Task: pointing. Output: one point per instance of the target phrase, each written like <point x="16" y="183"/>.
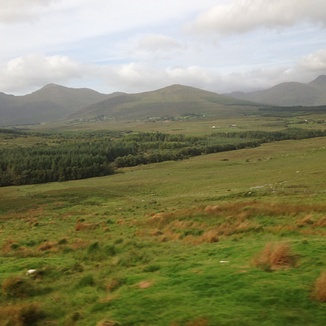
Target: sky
<point x="136" y="46"/>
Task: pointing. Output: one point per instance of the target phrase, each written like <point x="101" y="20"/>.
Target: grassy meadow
<point x="233" y="238"/>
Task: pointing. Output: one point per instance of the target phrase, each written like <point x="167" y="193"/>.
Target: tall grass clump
<point x="320" y="288"/>
<point x="275" y="256"/>
<point x="16" y="287"/>
<point x="21" y="314"/>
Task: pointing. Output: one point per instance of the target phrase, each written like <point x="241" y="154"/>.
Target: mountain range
<point x="59" y="103"/>
<point x="289" y="94"/>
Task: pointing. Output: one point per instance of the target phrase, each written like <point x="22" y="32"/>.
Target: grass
<point x="172" y="243"/>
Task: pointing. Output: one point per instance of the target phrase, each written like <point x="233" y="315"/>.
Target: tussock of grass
<point x="228" y="219"/>
<point x="319" y="292"/>
<point x="83" y="226"/>
<point x="22" y="314"/>
<point x="275" y="256"/>
<point x="16" y="287"/>
<point x="114" y="283"/>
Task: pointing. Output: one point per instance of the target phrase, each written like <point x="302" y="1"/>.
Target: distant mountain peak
<point x="289" y="94"/>
<point x="51" y="85"/>
<point x="319" y="80"/>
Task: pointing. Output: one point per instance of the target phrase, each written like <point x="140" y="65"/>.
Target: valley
<point x="209" y="213"/>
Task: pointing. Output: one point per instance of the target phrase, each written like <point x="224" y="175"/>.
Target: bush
<point x="320" y="288"/>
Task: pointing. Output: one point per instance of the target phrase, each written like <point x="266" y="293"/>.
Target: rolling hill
<point x="289" y="94"/>
<point x="175" y="100"/>
<point x="52" y="102"/>
<point x="59" y="103"/>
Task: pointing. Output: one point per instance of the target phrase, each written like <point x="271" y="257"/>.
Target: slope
<point x="289" y="94"/>
<point x="52" y="102"/>
<point x="175" y="100"/>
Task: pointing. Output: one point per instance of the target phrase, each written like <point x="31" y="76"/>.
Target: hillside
<point x="232" y="238"/>
<point x="52" y="102"/>
<point x="59" y="103"/>
<point x="175" y="100"/>
<point x="289" y="94"/>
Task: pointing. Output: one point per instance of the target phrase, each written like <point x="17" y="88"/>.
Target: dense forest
<point x="61" y="157"/>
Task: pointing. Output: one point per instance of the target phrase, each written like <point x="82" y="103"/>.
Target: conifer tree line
<point x="60" y="157"/>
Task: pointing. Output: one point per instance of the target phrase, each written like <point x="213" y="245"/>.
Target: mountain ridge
<point x="289" y="94"/>
<point x="51" y="102"/>
<point x="173" y="100"/>
<point x="54" y="102"/>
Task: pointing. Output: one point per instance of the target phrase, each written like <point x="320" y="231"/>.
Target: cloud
<point x="156" y="43"/>
<point x="23" y="73"/>
<point x="21" y="10"/>
<point x="135" y="77"/>
<point x="246" y="15"/>
<point x="314" y="62"/>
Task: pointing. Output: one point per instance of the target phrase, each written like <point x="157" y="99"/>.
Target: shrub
<point x="320" y="288"/>
<point x="16" y="287"/>
<point x="275" y="257"/>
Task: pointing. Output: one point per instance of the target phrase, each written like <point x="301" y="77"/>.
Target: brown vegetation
<point x="144" y="284"/>
<point x="83" y="226"/>
<point x="21" y="314"/>
<point x="320" y="288"/>
<point x="114" y="284"/>
<point x="48" y="245"/>
<point x="16" y="287"/>
<point x="275" y="256"/>
<point x="232" y="218"/>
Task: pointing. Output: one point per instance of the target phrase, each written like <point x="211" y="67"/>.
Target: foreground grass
<point x="174" y="243"/>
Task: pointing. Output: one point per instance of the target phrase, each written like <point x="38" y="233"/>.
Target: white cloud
<point x="246" y="15"/>
<point x="21" y="10"/>
<point x="314" y="62"/>
<point x="24" y="73"/>
<point x="156" y="43"/>
<point x="142" y="77"/>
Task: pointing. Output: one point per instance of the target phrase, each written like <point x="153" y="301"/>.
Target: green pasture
<point x="171" y="243"/>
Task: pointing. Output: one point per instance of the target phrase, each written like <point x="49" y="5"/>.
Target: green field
<point x="231" y="238"/>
